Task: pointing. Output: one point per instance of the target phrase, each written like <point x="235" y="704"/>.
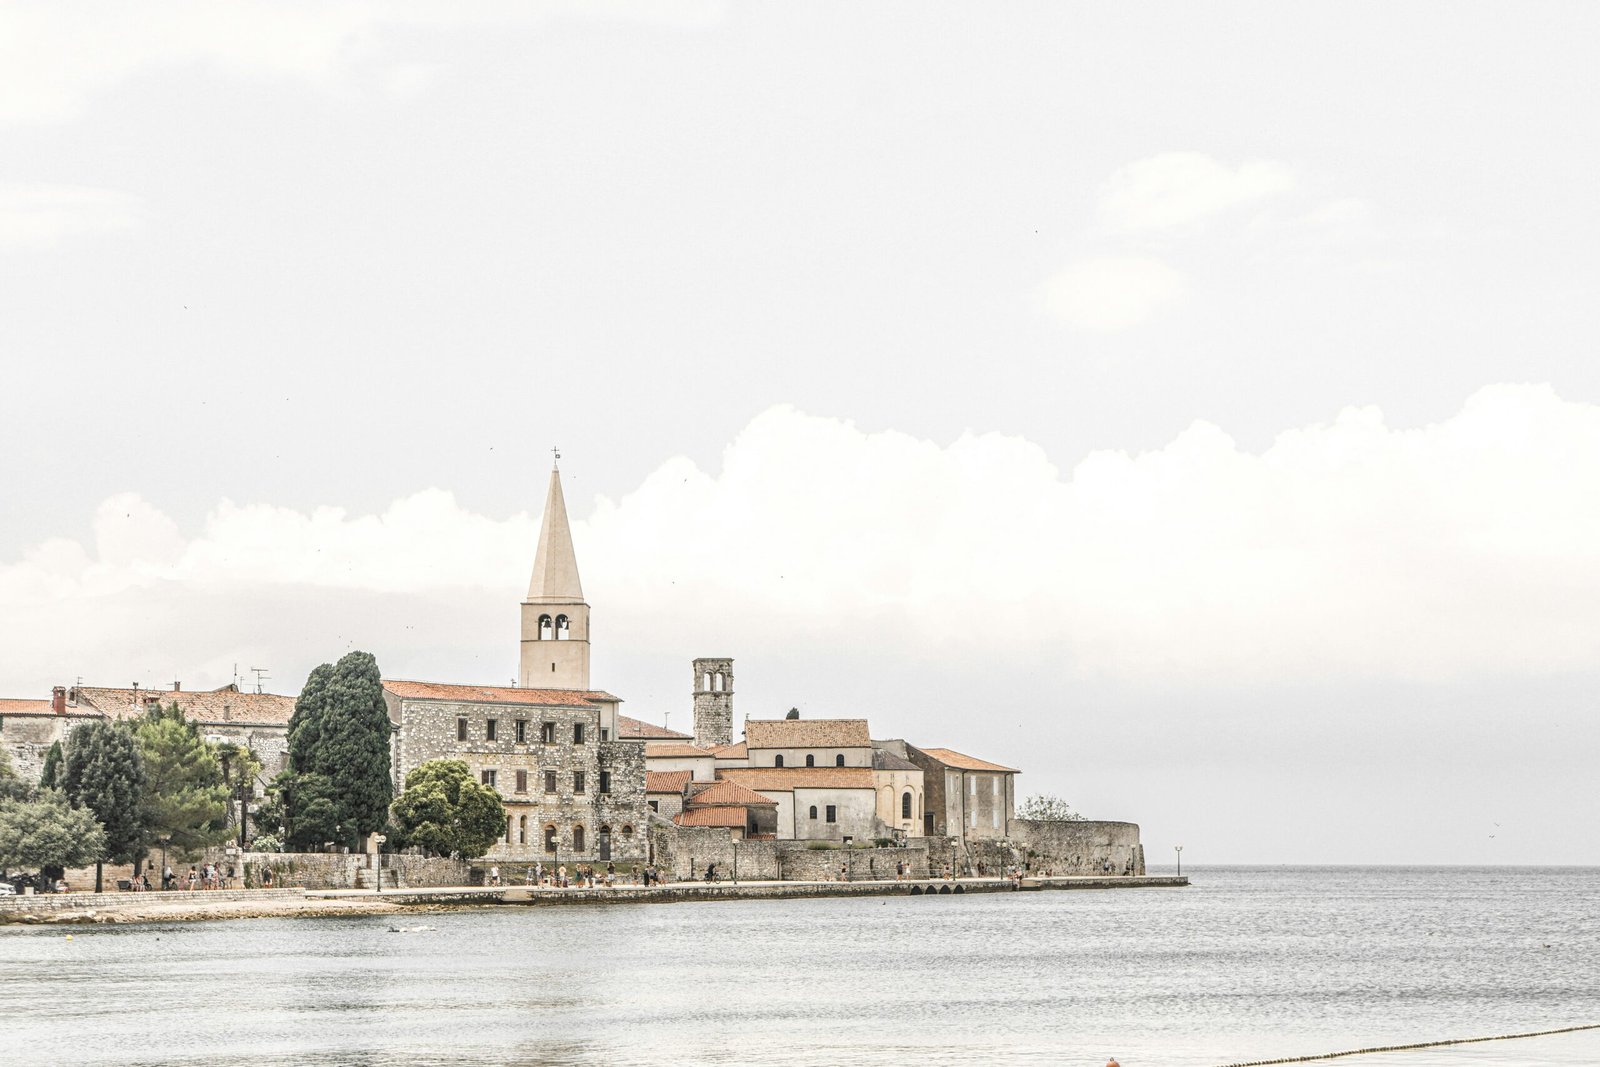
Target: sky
<point x="1195" y="407"/>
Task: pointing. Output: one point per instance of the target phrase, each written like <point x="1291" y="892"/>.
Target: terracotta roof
<point x="785" y="779"/>
<point x="726" y="793"/>
<point x="807" y="733"/>
<point x="673" y="748"/>
<point x="733" y="751"/>
<point x="963" y="762"/>
<point x="666" y="781"/>
<point x="631" y="729"/>
<point x="495" y="694"/>
<point x="225" y="705"/>
<point x="732" y="817"/>
<point x="20" y="706"/>
<point x="888" y="761"/>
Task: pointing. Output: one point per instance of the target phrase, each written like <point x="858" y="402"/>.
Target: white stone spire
<point x="555" y="620"/>
<point x="555" y="565"/>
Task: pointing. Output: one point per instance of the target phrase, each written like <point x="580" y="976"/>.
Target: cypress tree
<point x="50" y="775"/>
<point x="105" y="774"/>
<point x="340" y="787"/>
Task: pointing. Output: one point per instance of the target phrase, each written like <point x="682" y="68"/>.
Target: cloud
<point x="54" y="58"/>
<point x="1349" y="550"/>
<point x="42" y="216"/>
<point x="1178" y="189"/>
<point x="1112" y="293"/>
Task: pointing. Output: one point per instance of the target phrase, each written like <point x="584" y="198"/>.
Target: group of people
<point x="208" y="877"/>
<point x="582" y="876"/>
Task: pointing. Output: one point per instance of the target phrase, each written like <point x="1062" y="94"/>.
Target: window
<point x="522" y="782"/>
<point x="605" y="781"/>
<point x="777" y="761"/>
<point x="488" y="778"/>
<point x="544" y="627"/>
<point x="563" y="628"/>
<point x="655" y="806"/>
<point x="838" y="761"/>
<point x="490" y="729"/>
<point x="627" y="830"/>
<point x="547" y="732"/>
<point x="905" y="804"/>
<point x="811" y="761"/>
<point x="508" y="829"/>
<point x="461" y="729"/>
<point x="813" y="811"/>
<point x="577" y="781"/>
<point x="833" y="813"/>
<point x="549" y="838"/>
<point x="577" y="733"/>
<point x="522" y="830"/>
<point x="522" y="731"/>
<point x="605" y="735"/>
<point x="549" y="781"/>
<point x="577" y="839"/>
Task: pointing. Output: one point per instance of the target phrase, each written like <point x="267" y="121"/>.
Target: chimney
<point x="58" y="700"/>
<point x="177" y="687"/>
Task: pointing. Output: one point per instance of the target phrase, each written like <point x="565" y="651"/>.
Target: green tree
<point x="48" y="832"/>
<point x="443" y="811"/>
<point x="185" y="802"/>
<point x="105" y="774"/>
<point x="1047" y="807"/>
<point x="240" y="770"/>
<point x="339" y="755"/>
<point x="50" y="775"/>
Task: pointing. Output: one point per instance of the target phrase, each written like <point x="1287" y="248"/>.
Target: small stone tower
<point x="555" y="619"/>
<point x="713" y="701"/>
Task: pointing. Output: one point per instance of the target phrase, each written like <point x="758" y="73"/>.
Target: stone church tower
<point x="713" y="701"/>
<point x="555" y="620"/>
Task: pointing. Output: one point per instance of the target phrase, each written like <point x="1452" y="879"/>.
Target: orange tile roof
<point x="495" y="694"/>
<point x="670" y="749"/>
<point x="629" y="728"/>
<point x="731" y="817"/>
<point x="807" y="733"/>
<point x="786" y="779"/>
<point x="727" y="793"/>
<point x="21" y="706"/>
<point x="666" y="781"/>
<point x="225" y="705"/>
<point x="963" y="762"/>
<point x="733" y="751"/>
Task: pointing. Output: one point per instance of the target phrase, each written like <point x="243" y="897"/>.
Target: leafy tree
<point x="339" y="755"/>
<point x="240" y="769"/>
<point x="1047" y="807"/>
<point x="50" y="774"/>
<point x="185" y="803"/>
<point x="47" y="832"/>
<point x="105" y="774"/>
<point x="443" y="811"/>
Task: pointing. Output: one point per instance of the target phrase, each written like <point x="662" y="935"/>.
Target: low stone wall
<point x="1079" y="848"/>
<point x="802" y="864"/>
<point x="47" y="903"/>
<point x="683" y="852"/>
<point x="332" y="870"/>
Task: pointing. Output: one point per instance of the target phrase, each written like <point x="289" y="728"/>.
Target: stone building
<point x="568" y="766"/>
<point x="967" y="798"/>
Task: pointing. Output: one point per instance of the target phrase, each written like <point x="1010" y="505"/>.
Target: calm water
<point x="1249" y="963"/>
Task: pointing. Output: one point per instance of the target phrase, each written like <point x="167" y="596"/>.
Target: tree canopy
<point x="104" y="772"/>
<point x="47" y="832"/>
<point x="443" y="811"/>
<point x="50" y="773"/>
<point x="1047" y="807"/>
<point x="338" y="786"/>
<point x="185" y="801"/>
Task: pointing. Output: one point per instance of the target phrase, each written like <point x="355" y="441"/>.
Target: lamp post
<point x="377" y="858"/>
<point x="1179" y="850"/>
<point x="736" y="863"/>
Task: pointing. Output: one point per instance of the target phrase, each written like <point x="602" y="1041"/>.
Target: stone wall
<point x="1086" y="847"/>
<point x="799" y="863"/>
<point x="682" y="853"/>
<point x="323" y="870"/>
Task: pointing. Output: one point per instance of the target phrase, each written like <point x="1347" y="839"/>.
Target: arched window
<point x="811" y="761"/>
<point x="563" y="628"/>
<point x="508" y="829"/>
<point x="838" y="761"/>
<point x="905" y="805"/>
<point x="605" y="829"/>
<point x="813" y="811"/>
<point x="627" y="829"/>
<point x="577" y="839"/>
<point x="705" y="683"/>
<point x="716" y="682"/>
<point x="777" y="761"/>
<point x="549" y="838"/>
<point x="544" y="627"/>
<point x="522" y="830"/>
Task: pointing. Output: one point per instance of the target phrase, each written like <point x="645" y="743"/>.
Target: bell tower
<point x="555" y="619"/>
<point x="713" y="701"/>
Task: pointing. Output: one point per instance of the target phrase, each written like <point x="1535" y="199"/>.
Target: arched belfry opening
<point x="713" y="701"/>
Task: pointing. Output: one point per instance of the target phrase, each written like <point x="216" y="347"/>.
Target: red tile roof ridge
<point x="961" y="761"/>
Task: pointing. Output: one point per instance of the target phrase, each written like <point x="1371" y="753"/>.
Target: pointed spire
<point x="555" y="565"/>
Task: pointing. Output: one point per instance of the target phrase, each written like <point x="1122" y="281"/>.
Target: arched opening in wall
<point x="627" y="832"/>
<point x="549" y="838"/>
<point x="546" y="627"/>
<point x="605" y="841"/>
<point x="813" y="811"/>
<point x="563" y="628"/>
<point x="705" y="682"/>
<point x="811" y="761"/>
<point x="905" y="805"/>
<point x="522" y="830"/>
<point x="777" y="761"/>
<point x="716" y="682"/>
<point x="508" y="829"/>
<point x="577" y="839"/>
<point x="838" y="761"/>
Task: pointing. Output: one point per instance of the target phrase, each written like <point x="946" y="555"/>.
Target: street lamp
<point x="377" y="858"/>
<point x="1179" y="850"/>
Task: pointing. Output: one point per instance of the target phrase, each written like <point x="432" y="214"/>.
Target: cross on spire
<point x="556" y="451"/>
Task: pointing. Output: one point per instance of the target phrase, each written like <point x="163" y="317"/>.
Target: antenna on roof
<point x="261" y="676"/>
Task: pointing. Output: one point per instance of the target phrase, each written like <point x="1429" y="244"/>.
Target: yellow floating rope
<point x="1409" y="1048"/>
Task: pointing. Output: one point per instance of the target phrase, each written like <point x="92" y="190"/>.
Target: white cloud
<point x="1180" y="188"/>
<point x="1465" y="549"/>
<point x="1112" y="293"/>
<point x="42" y="216"/>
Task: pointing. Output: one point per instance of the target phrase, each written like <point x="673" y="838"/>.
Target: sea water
<point x="1248" y="963"/>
